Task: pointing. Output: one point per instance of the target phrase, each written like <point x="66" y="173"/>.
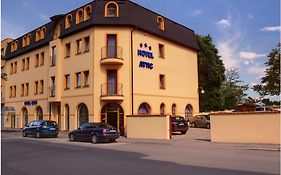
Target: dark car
<point x="179" y="124"/>
<point x="40" y="128"/>
<point x="94" y="132"/>
<point x="201" y="121"/>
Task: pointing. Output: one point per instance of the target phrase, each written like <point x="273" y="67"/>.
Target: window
<point x="37" y="34"/>
<point x="87" y="12"/>
<point x="174" y="109"/>
<point x="15" y="91"/>
<point x="78" y="80"/>
<point x="87" y="44"/>
<point x="22" y="64"/>
<point x="111" y="9"/>
<point x="68" y="21"/>
<point x="15" y="67"/>
<point x="162" y="109"/>
<point x="79" y="46"/>
<point x="2" y="51"/>
<point x="41" y="87"/>
<point x="54" y="56"/>
<point x="22" y="90"/>
<point x="144" y="109"/>
<point x="160" y="23"/>
<point x="11" y="68"/>
<point x="36" y="88"/>
<point x="42" y="58"/>
<point x="24" y="41"/>
<point x="162" y="81"/>
<point x="27" y="63"/>
<point x="42" y="32"/>
<point x="36" y="60"/>
<point x="161" y="51"/>
<point x="79" y="16"/>
<point x="11" y="91"/>
<point x="86" y="78"/>
<point x="28" y="39"/>
<point x="26" y="89"/>
<point x="53" y="87"/>
<point x="67" y="82"/>
<point x="67" y="50"/>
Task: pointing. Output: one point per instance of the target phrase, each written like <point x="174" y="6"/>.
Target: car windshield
<point x="177" y="119"/>
<point x="104" y="125"/>
<point x="50" y="123"/>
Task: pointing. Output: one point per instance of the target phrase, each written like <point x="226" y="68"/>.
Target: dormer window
<point x="79" y="16"/>
<point x="24" y="41"/>
<point x="160" y="23"/>
<point x="87" y="12"/>
<point x="68" y="21"/>
<point x="42" y="33"/>
<point x="28" y="39"/>
<point x="14" y="46"/>
<point x="111" y="9"/>
<point x="38" y="35"/>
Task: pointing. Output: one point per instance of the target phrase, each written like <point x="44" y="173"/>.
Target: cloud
<point x="227" y="52"/>
<point x="271" y="29"/>
<point x="257" y="70"/>
<point x="250" y="16"/>
<point x="224" y="23"/>
<point x="250" y="55"/>
<point x="196" y="12"/>
<point x="9" y="30"/>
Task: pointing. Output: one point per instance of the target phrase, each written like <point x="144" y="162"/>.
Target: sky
<point x="244" y="31"/>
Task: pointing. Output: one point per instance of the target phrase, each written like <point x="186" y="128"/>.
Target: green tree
<point x="211" y="75"/>
<point x="233" y="91"/>
<point x="270" y="83"/>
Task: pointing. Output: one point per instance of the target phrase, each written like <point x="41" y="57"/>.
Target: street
<point x="189" y="154"/>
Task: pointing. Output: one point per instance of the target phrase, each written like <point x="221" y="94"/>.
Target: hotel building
<point x="101" y="62"/>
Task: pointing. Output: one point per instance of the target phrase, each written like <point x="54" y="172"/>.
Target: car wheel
<point x="111" y="140"/>
<point x="208" y="126"/>
<point x="193" y="125"/>
<point x="94" y="139"/>
<point x="72" y="137"/>
<point x="24" y="134"/>
<point x="38" y="135"/>
<point x="56" y="135"/>
<point x="183" y="132"/>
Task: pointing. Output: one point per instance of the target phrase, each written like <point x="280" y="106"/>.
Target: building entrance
<point x="113" y="114"/>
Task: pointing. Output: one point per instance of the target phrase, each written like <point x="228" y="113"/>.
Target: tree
<point x="211" y="75"/>
<point x="3" y="76"/>
<point x="233" y="91"/>
<point x="270" y="83"/>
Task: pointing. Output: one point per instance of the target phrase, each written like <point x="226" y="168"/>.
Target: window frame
<point x="162" y="81"/>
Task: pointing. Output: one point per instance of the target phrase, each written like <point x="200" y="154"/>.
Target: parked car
<point x="201" y="121"/>
<point x="179" y="124"/>
<point x="40" y="128"/>
<point x="94" y="132"/>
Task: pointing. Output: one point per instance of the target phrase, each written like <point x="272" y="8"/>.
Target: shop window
<point x="160" y="23"/>
<point x="79" y="16"/>
<point x="36" y="60"/>
<point x="79" y="46"/>
<point x="162" y="109"/>
<point x="144" y="109"/>
<point x="174" y="109"/>
<point x="111" y="9"/>
<point x="161" y="51"/>
<point x="67" y="82"/>
<point x="86" y="78"/>
<point x="42" y="58"/>
<point x="78" y="79"/>
<point x="162" y="81"/>
<point x="87" y="44"/>
<point x="68" y="21"/>
<point x="87" y="12"/>
<point x="67" y="50"/>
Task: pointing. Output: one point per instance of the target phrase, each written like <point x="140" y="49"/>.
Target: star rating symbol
<point x="145" y="45"/>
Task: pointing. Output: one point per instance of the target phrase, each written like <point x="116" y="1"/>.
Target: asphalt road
<point x="48" y="156"/>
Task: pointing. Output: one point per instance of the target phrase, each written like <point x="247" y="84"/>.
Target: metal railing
<point x="52" y="91"/>
<point x="108" y="52"/>
<point x="112" y="89"/>
<point x="53" y="60"/>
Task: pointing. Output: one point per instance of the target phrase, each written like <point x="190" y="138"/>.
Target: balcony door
<point x="111" y="46"/>
<point x="111" y="82"/>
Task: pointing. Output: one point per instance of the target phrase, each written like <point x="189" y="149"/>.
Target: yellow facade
<point x="105" y="101"/>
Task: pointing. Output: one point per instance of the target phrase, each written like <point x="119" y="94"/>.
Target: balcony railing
<point x="52" y="91"/>
<point x="111" y="89"/>
<point x="53" y="60"/>
<point x="111" y="52"/>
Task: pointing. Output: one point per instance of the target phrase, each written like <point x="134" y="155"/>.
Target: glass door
<point x="111" y="46"/>
<point x="112" y="82"/>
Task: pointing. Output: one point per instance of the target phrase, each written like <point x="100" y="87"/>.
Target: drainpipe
<point x="132" y="69"/>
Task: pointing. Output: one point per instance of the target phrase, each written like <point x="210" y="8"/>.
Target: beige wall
<point x="148" y="127"/>
<point x="262" y="127"/>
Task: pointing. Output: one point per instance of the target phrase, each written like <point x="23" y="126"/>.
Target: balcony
<point x="112" y="92"/>
<point x="112" y="55"/>
<point x="52" y="91"/>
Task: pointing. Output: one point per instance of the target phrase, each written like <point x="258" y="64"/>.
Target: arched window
<point x="24" y="41"/>
<point x="39" y="113"/>
<point x="68" y="21"/>
<point x="87" y="12"/>
<point x="162" y="109"/>
<point x="144" y="109"/>
<point x="38" y="35"/>
<point x="111" y="9"/>
<point x="24" y="116"/>
<point x="28" y="39"/>
<point x="42" y="33"/>
<point x="15" y="45"/>
<point x="83" y="114"/>
<point x="160" y="23"/>
<point x="79" y="16"/>
<point x="188" y="111"/>
<point x="174" y="109"/>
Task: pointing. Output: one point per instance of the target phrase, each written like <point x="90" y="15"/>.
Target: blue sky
<point x="244" y="31"/>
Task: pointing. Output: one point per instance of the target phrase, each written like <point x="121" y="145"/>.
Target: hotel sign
<point x="29" y="103"/>
<point x="142" y="52"/>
